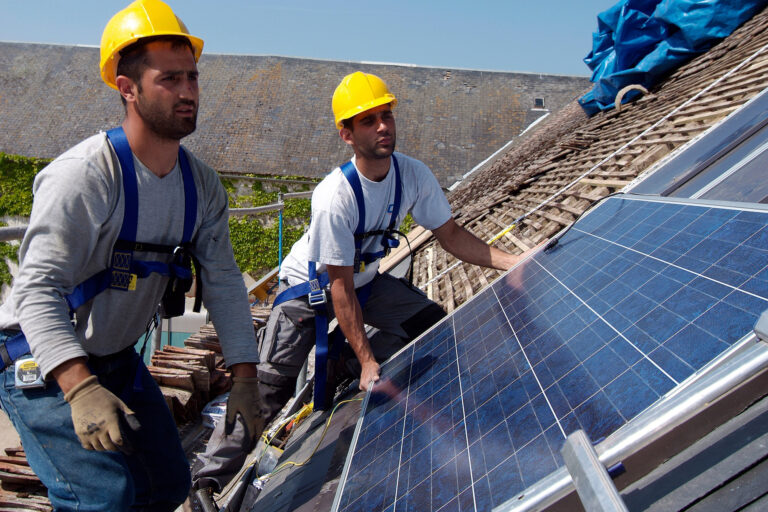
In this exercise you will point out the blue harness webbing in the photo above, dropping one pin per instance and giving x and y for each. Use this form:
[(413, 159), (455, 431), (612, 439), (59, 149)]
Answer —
[(124, 270), (314, 287)]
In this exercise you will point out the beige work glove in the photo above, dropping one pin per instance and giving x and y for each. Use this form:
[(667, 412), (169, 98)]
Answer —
[(98, 416), (244, 398)]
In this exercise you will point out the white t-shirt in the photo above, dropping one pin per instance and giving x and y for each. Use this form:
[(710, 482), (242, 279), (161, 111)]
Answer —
[(330, 239)]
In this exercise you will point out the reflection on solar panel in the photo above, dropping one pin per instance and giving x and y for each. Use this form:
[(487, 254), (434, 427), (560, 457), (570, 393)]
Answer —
[(638, 296)]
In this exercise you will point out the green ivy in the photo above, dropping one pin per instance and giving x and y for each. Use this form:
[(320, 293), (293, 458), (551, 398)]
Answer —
[(256, 245), (7, 252), (407, 224), (16, 176)]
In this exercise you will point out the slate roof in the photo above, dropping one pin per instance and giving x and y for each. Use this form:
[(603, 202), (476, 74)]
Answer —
[(272, 115)]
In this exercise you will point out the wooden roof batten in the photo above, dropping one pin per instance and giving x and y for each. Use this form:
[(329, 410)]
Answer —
[(555, 173)]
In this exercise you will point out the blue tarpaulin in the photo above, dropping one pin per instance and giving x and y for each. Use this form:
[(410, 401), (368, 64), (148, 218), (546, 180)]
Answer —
[(642, 41)]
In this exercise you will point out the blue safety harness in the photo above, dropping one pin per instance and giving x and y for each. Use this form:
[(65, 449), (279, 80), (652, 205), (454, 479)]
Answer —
[(314, 288), (124, 269)]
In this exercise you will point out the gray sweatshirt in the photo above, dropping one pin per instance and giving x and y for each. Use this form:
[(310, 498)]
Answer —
[(76, 217)]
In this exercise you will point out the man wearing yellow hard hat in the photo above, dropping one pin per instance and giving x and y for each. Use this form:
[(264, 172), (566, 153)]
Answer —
[(355, 211), (333, 268), (116, 223)]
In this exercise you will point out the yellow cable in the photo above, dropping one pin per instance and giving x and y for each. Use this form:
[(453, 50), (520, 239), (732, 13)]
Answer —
[(268, 441), (504, 232), (325, 430)]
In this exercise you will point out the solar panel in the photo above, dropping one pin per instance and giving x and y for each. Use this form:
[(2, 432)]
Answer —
[(635, 298)]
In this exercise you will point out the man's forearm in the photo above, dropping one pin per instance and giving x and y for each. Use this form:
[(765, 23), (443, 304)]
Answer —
[(70, 373), (350, 318), (467, 247)]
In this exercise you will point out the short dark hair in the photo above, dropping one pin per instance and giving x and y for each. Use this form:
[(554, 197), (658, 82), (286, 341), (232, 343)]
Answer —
[(347, 123), (133, 57)]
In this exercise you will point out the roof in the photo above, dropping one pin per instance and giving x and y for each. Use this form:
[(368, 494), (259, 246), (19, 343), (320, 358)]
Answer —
[(272, 115), (555, 172)]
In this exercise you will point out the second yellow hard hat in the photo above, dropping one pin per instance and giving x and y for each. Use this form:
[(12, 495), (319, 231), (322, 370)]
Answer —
[(357, 93)]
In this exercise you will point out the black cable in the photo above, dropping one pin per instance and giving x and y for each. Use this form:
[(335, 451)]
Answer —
[(410, 254), (552, 243)]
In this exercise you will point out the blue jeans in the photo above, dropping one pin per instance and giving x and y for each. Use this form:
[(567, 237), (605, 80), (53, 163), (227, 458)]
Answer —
[(154, 477)]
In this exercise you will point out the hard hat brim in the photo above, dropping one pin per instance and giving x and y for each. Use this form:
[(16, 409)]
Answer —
[(352, 112), (109, 68)]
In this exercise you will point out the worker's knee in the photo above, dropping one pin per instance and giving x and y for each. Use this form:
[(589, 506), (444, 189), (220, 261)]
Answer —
[(289, 335), (423, 320), (275, 391)]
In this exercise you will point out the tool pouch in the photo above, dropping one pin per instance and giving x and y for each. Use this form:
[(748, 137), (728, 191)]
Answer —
[(179, 283)]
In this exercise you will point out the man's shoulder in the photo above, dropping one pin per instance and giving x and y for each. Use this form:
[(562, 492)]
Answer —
[(329, 185), (414, 172), (90, 157), (90, 148), (197, 164), (410, 164)]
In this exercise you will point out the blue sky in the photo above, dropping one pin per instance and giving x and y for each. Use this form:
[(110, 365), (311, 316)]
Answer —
[(540, 36)]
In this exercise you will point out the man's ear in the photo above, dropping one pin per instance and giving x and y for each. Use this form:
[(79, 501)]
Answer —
[(346, 135), (126, 87)]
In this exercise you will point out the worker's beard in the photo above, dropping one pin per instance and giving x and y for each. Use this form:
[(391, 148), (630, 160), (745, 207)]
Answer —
[(166, 124), (375, 150)]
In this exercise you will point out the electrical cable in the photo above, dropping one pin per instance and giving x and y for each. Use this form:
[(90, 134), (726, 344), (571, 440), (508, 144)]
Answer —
[(555, 239), (305, 461)]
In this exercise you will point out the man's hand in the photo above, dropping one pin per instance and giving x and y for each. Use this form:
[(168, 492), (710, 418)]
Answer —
[(244, 398), (97, 414), (370, 372)]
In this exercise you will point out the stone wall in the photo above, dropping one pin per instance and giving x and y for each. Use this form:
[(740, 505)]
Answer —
[(272, 115)]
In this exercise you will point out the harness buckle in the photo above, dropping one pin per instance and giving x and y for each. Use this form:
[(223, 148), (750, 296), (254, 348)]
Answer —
[(121, 277), (123, 280), (390, 242), (316, 296)]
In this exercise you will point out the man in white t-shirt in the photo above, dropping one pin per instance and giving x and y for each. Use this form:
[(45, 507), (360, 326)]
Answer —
[(362, 105), (359, 294)]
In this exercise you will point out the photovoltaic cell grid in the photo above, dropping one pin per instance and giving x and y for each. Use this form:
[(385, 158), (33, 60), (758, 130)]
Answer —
[(638, 296)]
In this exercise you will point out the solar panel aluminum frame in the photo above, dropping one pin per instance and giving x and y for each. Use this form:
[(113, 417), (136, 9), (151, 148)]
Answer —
[(743, 368)]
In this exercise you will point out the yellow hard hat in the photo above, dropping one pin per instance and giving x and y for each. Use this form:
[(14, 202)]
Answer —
[(357, 93), (142, 18)]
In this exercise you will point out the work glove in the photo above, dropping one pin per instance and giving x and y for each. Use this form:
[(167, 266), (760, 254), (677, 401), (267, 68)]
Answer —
[(99, 417), (244, 398)]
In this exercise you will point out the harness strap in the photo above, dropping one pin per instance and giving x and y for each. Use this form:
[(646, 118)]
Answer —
[(13, 348), (299, 290), (124, 270), (388, 241)]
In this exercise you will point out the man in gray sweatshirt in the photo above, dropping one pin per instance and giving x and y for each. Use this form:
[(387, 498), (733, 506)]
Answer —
[(114, 219)]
